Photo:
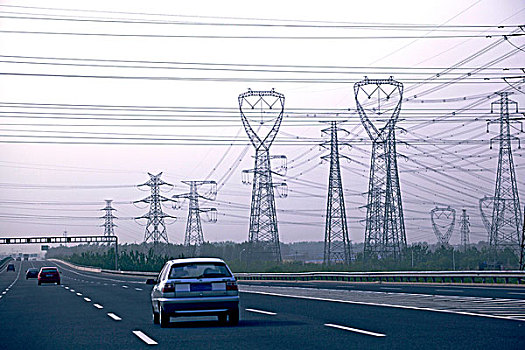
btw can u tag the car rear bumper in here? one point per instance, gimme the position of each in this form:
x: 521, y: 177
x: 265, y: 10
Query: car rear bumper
x: 198, y: 306
x: 49, y: 280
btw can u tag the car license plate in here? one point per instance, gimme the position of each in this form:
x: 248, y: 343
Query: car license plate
x: 200, y: 287
x: 49, y: 275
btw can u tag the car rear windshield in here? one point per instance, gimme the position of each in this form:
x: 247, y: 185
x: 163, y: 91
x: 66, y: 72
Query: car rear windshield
x: 199, y: 270
x: 49, y: 270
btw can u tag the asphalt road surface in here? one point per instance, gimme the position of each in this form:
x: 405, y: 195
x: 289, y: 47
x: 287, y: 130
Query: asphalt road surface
x: 102, y: 311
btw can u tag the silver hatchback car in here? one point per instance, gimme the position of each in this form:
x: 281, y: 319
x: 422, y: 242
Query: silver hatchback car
x: 195, y: 287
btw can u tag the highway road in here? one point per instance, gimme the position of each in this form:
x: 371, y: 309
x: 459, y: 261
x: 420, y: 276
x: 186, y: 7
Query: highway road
x: 103, y: 311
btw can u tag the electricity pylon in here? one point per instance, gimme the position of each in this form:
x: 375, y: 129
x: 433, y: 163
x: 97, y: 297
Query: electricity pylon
x: 266, y: 109
x: 485, y: 207
x: 194, y: 238
x: 522, y: 247
x: 506, y: 211
x: 108, y: 219
x: 336, y: 242
x: 380, y: 99
x: 443, y: 218
x: 155, y: 228
x: 465, y: 230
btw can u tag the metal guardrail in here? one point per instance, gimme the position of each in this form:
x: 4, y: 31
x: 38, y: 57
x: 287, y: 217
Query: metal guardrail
x: 507, y: 277
x: 4, y: 262
x: 476, y: 277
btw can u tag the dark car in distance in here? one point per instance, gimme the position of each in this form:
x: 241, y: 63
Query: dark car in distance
x: 32, y: 273
x: 48, y: 275
x: 11, y: 267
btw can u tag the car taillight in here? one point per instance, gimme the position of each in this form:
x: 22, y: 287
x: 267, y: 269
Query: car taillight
x: 168, y: 288
x: 231, y: 286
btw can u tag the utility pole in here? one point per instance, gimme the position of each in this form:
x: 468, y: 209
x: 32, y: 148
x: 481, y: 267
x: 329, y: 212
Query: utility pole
x: 506, y: 212
x: 108, y: 219
x: 443, y: 218
x: 336, y: 241
x: 266, y: 109
x: 194, y: 238
x: 155, y: 227
x: 379, y: 101
x: 465, y: 230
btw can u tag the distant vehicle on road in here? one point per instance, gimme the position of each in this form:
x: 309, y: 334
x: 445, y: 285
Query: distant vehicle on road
x: 48, y: 275
x: 11, y: 267
x: 18, y: 259
x: 32, y: 273
x: 195, y: 287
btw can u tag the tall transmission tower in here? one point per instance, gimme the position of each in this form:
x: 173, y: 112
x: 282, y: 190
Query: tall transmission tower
x: 379, y: 103
x: 194, y: 238
x: 443, y: 218
x: 155, y: 227
x: 506, y: 211
x: 485, y: 208
x: 108, y: 219
x: 464, y: 230
x: 522, y: 247
x: 266, y: 109
x: 336, y: 242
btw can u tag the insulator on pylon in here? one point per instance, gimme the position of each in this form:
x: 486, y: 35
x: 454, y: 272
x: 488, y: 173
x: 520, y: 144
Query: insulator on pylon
x: 282, y: 190
x: 246, y: 177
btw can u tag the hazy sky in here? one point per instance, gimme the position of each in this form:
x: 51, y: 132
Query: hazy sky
x: 179, y: 96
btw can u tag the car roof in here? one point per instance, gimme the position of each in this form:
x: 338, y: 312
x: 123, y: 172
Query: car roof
x: 49, y: 267
x: 195, y: 260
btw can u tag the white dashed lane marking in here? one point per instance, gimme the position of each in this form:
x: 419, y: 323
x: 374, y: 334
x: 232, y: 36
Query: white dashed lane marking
x: 125, y: 287
x: 262, y: 312
x: 145, y: 338
x: 138, y: 289
x: 355, y: 330
x: 98, y: 306
x: 87, y: 299
x: 113, y: 316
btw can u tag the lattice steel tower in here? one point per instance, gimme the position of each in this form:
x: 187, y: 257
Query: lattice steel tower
x: 108, y: 219
x: 266, y: 109
x: 194, y: 238
x: 379, y: 103
x: 336, y: 242
x: 506, y: 211
x: 465, y: 230
x: 155, y: 228
x: 443, y: 218
x: 486, y: 205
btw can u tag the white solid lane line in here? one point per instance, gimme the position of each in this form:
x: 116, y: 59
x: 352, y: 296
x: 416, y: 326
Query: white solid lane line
x: 145, y: 338
x: 262, y: 312
x: 98, y: 306
x: 450, y: 290
x: 355, y: 330
x: 87, y: 299
x: 516, y: 293
x: 113, y: 316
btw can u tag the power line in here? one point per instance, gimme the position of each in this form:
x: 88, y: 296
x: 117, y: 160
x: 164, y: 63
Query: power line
x: 264, y: 37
